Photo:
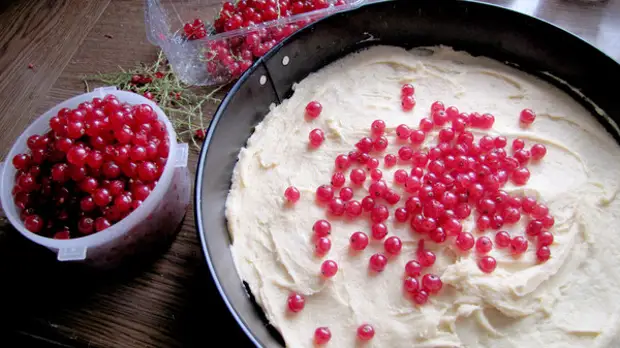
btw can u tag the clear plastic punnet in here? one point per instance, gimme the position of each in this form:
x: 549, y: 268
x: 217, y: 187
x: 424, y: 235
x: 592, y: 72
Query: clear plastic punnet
x: 209, y: 42
x: 154, y: 222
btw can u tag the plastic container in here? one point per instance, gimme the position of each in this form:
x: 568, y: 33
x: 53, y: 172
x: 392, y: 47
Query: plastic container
x: 219, y: 57
x: 154, y: 221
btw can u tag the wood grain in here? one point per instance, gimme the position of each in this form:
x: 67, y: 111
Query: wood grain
x: 167, y: 300
x: 45, y: 34
x: 165, y: 303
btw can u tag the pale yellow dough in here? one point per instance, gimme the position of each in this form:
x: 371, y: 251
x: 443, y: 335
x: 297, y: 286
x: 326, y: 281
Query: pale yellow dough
x: 573, y: 300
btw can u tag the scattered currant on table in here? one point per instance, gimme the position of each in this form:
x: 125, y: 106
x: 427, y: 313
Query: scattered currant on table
x: 94, y: 167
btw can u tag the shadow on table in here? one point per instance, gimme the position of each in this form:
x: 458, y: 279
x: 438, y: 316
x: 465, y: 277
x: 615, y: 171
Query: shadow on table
x: 35, y: 282
x: 41, y: 297
x: 205, y: 316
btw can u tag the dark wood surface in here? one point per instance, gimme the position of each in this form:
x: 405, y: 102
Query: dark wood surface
x: 168, y: 300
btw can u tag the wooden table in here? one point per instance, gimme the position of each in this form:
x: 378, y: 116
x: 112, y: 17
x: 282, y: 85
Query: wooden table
x: 166, y: 302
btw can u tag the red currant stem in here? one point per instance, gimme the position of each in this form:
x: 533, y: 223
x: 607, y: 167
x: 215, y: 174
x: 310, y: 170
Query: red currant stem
x: 235, y: 57
x: 183, y: 105
x: 203, y: 54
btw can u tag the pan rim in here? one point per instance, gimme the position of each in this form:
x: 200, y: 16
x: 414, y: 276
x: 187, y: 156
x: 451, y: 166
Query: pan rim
x: 200, y: 170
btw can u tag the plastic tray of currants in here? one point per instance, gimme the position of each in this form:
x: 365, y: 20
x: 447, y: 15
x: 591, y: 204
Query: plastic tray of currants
x: 209, y: 42
x: 97, y: 179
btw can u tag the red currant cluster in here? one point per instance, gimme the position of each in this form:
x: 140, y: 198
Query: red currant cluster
x: 246, y: 13
x: 445, y: 184
x: 200, y: 134
x: 94, y: 167
x: 230, y: 57
x: 140, y: 80
x: 195, y: 30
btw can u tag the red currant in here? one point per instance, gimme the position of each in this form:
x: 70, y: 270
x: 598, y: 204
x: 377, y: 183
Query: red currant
x: 147, y: 171
x: 408, y: 102
x: 296, y: 302
x: 377, y: 127
x: 322, y: 335
x: 323, y: 245
x: 316, y: 137
x: 377, y: 262
x: 431, y: 283
x: 34, y: 223
x: 365, y: 332
x: 342, y: 162
x: 329, y: 268
x: 379, y: 213
x: 426, y: 125
x: 438, y: 235
x: 518, y: 245
x: 420, y: 297
x: 520, y: 176
x: 358, y: 241
x: 484, y: 245
x: 403, y: 132
x: 545, y: 238
x: 377, y: 189
x: 21, y: 161
x: 543, y: 253
x: 336, y: 207
x: 77, y: 156
x: 393, y: 245
x: 502, y: 239
x: 378, y: 231
x: 313, y: 109
x: 101, y: 224
x: 407, y: 89
x: 538, y: 151
x: 426, y: 258
x: 465, y: 241
x: 517, y: 144
x: 487, y: 264
x: 439, y: 117
x: 401, y: 214
x: 353, y: 208
x: 357, y: 176
x: 292, y: 194
x: 527, y: 116
x: 380, y: 144
x: 368, y: 203
x: 411, y: 284
x: 413, y: 268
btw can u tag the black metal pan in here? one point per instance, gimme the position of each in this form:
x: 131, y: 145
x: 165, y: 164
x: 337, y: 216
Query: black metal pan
x: 533, y: 45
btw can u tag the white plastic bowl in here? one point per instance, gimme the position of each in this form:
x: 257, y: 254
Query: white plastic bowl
x: 158, y: 217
